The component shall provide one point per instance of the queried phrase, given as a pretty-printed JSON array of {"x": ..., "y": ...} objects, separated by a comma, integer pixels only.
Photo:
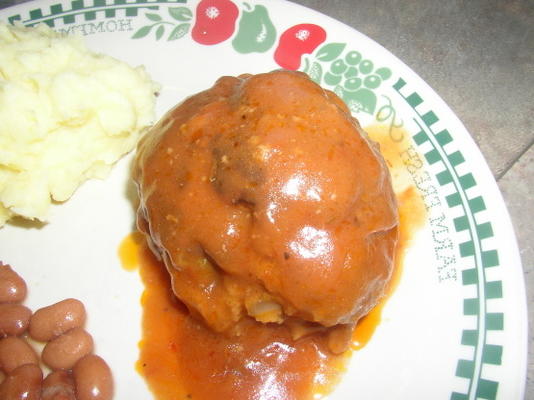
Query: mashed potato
[{"x": 66, "y": 114}]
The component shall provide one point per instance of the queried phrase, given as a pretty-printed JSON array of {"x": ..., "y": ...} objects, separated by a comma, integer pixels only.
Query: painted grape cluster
[{"x": 351, "y": 76}]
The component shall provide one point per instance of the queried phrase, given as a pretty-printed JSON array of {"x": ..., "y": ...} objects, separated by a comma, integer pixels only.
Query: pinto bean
[
  {"x": 14, "y": 352},
  {"x": 93, "y": 379},
  {"x": 23, "y": 383},
  {"x": 14, "y": 319},
  {"x": 65, "y": 350},
  {"x": 56, "y": 319},
  {"x": 12, "y": 287},
  {"x": 58, "y": 385}
]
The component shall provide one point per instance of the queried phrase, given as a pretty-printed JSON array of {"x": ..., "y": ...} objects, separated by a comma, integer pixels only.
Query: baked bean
[
  {"x": 58, "y": 385},
  {"x": 12, "y": 286},
  {"x": 14, "y": 319},
  {"x": 52, "y": 321},
  {"x": 23, "y": 383},
  {"x": 14, "y": 352},
  {"x": 93, "y": 379},
  {"x": 65, "y": 350}
]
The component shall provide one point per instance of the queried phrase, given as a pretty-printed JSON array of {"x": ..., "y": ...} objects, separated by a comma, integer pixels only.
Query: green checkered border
[
  {"x": 478, "y": 260},
  {"x": 87, "y": 11}
]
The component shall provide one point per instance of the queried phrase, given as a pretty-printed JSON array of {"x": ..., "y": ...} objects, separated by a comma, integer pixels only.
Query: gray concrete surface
[{"x": 479, "y": 57}]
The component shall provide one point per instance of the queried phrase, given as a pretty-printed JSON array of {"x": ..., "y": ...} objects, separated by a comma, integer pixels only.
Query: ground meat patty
[{"x": 264, "y": 198}]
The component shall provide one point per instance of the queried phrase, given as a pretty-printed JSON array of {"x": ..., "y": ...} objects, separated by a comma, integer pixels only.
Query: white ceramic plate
[{"x": 456, "y": 326}]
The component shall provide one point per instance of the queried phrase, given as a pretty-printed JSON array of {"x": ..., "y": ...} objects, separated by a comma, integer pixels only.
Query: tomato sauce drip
[
  {"x": 183, "y": 359},
  {"x": 128, "y": 251},
  {"x": 180, "y": 358}
]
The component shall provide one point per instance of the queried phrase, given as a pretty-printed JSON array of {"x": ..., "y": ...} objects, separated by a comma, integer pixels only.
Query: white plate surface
[{"x": 455, "y": 327}]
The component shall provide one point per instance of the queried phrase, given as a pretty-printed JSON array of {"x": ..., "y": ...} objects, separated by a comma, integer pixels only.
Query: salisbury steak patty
[{"x": 264, "y": 198}]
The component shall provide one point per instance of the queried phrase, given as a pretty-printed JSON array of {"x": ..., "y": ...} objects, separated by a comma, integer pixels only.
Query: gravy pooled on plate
[{"x": 266, "y": 200}]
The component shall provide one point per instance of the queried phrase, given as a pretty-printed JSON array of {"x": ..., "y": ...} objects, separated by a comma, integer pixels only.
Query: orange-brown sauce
[
  {"x": 264, "y": 199},
  {"x": 129, "y": 250},
  {"x": 182, "y": 359}
]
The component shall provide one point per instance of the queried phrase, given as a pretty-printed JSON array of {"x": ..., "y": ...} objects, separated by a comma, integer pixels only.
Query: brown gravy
[{"x": 180, "y": 358}]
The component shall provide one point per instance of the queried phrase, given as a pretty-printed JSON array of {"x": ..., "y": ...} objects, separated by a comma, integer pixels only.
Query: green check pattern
[
  {"x": 86, "y": 11},
  {"x": 468, "y": 207}
]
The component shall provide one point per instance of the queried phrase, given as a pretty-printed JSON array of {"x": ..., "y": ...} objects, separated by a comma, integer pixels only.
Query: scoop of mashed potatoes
[{"x": 67, "y": 115}]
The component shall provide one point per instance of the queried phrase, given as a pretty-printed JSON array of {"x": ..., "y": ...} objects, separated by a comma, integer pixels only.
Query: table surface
[{"x": 478, "y": 55}]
